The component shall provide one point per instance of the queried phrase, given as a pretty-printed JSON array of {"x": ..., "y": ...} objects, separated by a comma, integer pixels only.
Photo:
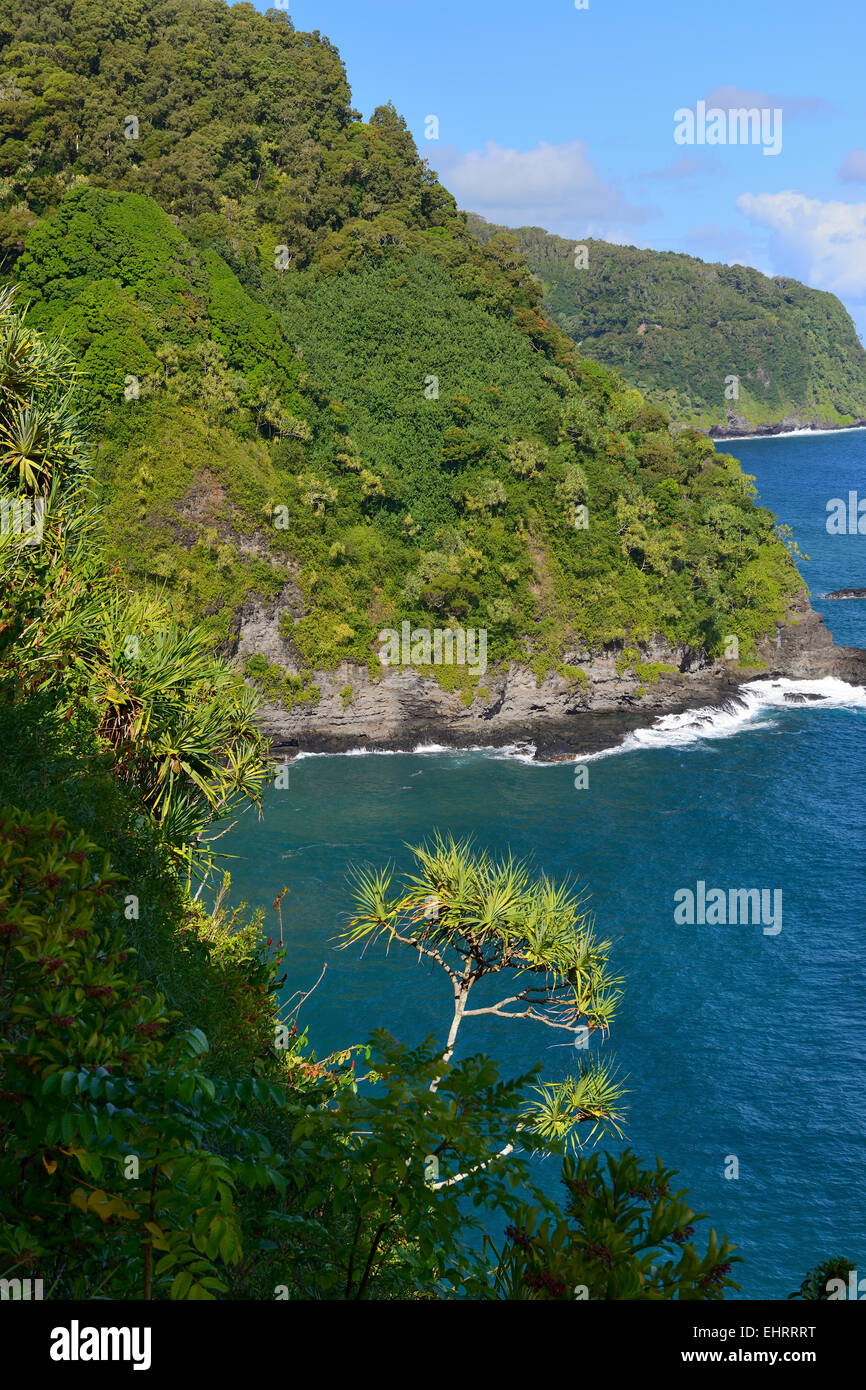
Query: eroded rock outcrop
[{"x": 560, "y": 717}]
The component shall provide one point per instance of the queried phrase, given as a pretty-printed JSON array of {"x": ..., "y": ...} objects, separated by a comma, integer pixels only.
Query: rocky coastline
[
  {"x": 738, "y": 427},
  {"x": 557, "y": 717}
]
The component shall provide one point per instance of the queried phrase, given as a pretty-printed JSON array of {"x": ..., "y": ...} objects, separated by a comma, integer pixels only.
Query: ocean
[{"x": 737, "y": 1041}]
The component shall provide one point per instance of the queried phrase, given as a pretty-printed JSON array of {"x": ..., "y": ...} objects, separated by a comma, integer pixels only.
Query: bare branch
[
  {"x": 479, "y": 1167},
  {"x": 305, "y": 997},
  {"x": 529, "y": 1012},
  {"x": 212, "y": 839}
]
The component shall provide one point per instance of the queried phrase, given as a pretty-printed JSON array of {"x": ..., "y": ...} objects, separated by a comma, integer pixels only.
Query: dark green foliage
[
  {"x": 308, "y": 377},
  {"x": 108, "y": 1114},
  {"x": 624, "y": 1234},
  {"x": 420, "y": 1162},
  {"x": 676, "y": 327},
  {"x": 245, "y": 127},
  {"x": 376, "y": 340},
  {"x": 815, "y": 1284}
]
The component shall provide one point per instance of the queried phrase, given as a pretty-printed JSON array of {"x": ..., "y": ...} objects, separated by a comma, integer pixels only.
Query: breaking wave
[{"x": 751, "y": 708}]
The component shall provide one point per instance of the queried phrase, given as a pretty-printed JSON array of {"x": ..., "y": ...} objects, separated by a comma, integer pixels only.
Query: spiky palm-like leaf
[
  {"x": 180, "y": 723},
  {"x": 476, "y": 917},
  {"x": 594, "y": 1093}
]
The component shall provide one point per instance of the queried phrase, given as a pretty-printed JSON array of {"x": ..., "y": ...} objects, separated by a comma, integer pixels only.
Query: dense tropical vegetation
[
  {"x": 679, "y": 328},
  {"x": 195, "y": 417},
  {"x": 309, "y": 382},
  {"x": 165, "y": 1130}
]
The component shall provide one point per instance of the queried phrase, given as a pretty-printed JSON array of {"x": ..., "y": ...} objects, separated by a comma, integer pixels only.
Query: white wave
[
  {"x": 789, "y": 434},
  {"x": 522, "y": 752},
  {"x": 743, "y": 712},
  {"x": 514, "y": 752},
  {"x": 372, "y": 752}
]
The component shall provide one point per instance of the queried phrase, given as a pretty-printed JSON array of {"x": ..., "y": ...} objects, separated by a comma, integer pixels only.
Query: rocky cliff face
[
  {"x": 562, "y": 718},
  {"x": 739, "y": 427}
]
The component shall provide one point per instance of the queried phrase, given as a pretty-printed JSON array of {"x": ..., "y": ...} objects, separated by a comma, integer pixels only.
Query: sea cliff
[{"x": 557, "y": 717}]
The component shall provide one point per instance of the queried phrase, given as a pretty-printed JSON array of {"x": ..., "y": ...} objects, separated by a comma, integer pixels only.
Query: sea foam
[{"x": 750, "y": 709}]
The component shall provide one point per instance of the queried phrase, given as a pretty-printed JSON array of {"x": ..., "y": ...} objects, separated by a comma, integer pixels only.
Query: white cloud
[
  {"x": 821, "y": 243},
  {"x": 552, "y": 186}
]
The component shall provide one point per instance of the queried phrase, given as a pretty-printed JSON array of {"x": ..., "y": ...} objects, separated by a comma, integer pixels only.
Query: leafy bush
[{"x": 624, "y": 1235}]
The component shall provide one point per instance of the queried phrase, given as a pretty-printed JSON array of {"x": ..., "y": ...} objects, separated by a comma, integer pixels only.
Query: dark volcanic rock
[
  {"x": 558, "y": 717},
  {"x": 738, "y": 427},
  {"x": 847, "y": 593}
]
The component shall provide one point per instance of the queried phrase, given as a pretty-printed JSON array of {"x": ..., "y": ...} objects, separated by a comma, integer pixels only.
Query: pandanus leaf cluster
[
  {"x": 477, "y": 917},
  {"x": 179, "y": 722}
]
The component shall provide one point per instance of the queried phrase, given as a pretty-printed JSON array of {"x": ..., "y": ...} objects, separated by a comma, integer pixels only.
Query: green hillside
[
  {"x": 256, "y": 351},
  {"x": 306, "y": 378},
  {"x": 676, "y": 328}
]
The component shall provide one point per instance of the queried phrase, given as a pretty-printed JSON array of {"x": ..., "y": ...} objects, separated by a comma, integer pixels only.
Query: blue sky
[{"x": 564, "y": 118}]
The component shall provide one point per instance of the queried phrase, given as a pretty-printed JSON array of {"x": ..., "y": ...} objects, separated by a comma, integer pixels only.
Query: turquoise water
[{"x": 736, "y": 1042}]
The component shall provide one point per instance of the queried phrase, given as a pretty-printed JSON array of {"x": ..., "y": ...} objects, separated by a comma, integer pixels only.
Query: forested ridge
[
  {"x": 288, "y": 335},
  {"x": 232, "y": 319},
  {"x": 679, "y": 329}
]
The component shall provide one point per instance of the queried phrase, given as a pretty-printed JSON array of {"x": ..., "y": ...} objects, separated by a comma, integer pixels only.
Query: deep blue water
[
  {"x": 735, "y": 1042},
  {"x": 796, "y": 477}
]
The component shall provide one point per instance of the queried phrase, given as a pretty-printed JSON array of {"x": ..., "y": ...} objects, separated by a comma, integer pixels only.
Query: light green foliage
[{"x": 278, "y": 684}]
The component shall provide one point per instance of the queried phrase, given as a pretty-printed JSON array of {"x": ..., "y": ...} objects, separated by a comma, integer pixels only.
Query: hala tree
[{"x": 477, "y": 918}]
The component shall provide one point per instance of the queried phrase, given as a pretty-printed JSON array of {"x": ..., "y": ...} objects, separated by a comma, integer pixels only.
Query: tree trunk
[{"x": 461, "y": 995}]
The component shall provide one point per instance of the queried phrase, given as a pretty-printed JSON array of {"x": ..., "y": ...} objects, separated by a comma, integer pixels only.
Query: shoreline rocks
[
  {"x": 561, "y": 718},
  {"x": 738, "y": 427}
]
